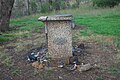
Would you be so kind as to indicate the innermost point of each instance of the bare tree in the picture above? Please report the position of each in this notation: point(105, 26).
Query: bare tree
point(5, 13)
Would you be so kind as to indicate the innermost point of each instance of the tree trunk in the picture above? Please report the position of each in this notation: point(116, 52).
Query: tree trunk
point(5, 13)
point(28, 7)
point(41, 5)
point(78, 3)
point(50, 5)
point(57, 6)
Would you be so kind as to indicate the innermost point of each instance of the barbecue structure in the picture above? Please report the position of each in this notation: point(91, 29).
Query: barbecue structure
point(59, 36)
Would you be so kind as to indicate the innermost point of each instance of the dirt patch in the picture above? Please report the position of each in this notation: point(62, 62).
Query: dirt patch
point(79, 27)
point(96, 53)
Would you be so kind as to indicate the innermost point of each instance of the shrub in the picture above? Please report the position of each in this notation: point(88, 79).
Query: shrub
point(33, 7)
point(74, 6)
point(45, 8)
point(105, 3)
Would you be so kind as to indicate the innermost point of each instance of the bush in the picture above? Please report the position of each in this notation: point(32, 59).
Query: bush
point(45, 8)
point(33, 7)
point(74, 6)
point(105, 3)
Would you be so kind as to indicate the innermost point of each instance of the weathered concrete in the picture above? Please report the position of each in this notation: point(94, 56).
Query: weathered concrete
point(59, 35)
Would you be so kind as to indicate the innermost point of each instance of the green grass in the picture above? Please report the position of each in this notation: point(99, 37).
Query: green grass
point(12, 35)
point(98, 21)
point(86, 32)
point(27, 23)
point(3, 39)
point(15, 72)
point(15, 34)
point(114, 70)
point(103, 24)
point(99, 78)
point(103, 21)
point(6, 59)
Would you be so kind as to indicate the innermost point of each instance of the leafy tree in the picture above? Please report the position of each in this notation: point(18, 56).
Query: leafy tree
point(45, 7)
point(33, 6)
point(78, 3)
point(105, 3)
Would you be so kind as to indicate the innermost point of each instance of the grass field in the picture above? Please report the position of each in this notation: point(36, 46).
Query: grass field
point(98, 21)
point(106, 25)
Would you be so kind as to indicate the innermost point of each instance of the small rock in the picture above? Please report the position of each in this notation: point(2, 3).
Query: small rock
point(84, 67)
point(60, 66)
point(71, 67)
point(60, 78)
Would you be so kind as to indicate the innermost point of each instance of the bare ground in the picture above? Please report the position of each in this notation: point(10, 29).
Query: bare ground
point(100, 50)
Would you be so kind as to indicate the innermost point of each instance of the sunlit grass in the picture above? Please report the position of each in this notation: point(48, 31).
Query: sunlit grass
point(88, 9)
point(27, 23)
point(22, 25)
point(3, 39)
point(106, 25)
